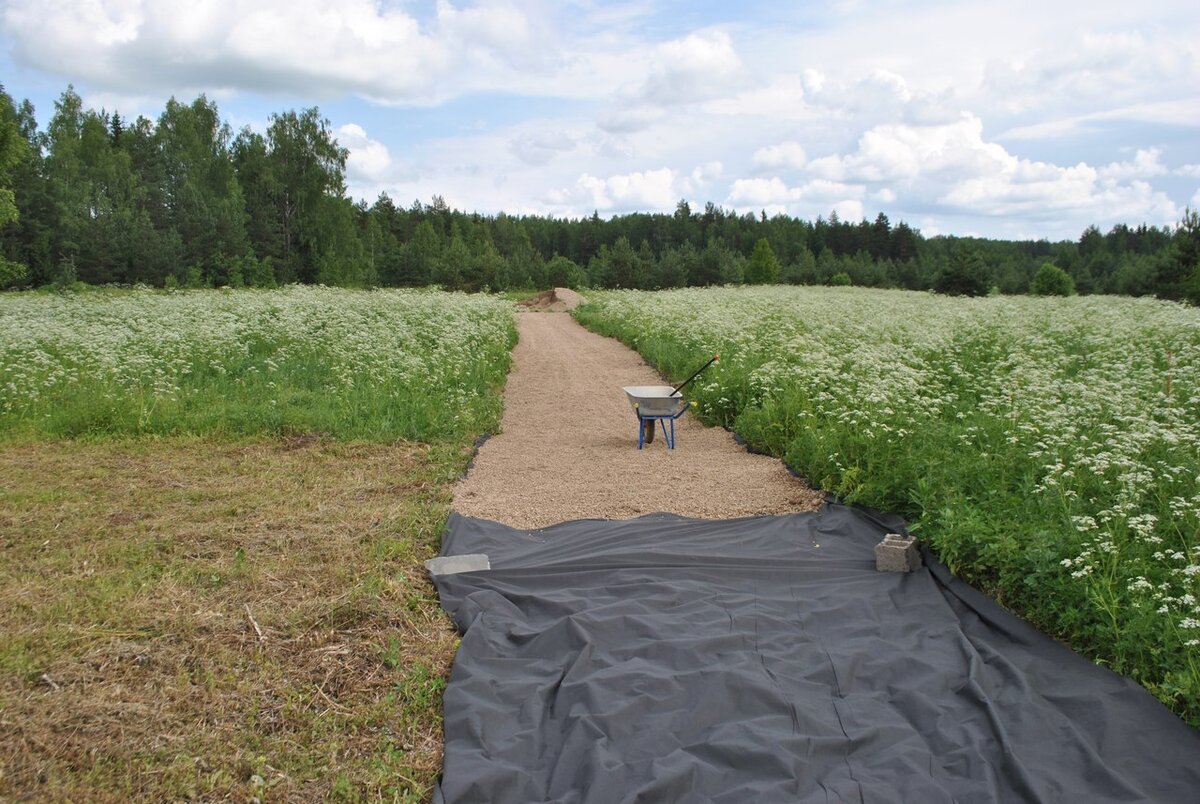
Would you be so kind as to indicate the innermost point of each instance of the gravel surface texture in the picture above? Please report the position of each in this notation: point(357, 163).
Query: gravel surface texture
point(568, 444)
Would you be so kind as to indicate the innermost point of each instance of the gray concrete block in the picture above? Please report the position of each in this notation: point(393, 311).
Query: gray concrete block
point(897, 553)
point(451, 565)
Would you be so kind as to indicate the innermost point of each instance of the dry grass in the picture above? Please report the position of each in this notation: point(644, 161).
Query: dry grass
point(189, 618)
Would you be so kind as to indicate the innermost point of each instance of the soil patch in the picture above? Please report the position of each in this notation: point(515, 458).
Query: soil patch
point(568, 445)
point(559, 300)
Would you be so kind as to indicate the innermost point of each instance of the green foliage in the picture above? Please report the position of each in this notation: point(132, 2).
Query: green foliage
point(307, 172)
point(13, 149)
point(763, 267)
point(451, 265)
point(1050, 280)
point(618, 267)
point(257, 273)
point(208, 214)
point(12, 274)
point(66, 276)
point(964, 274)
point(8, 206)
point(841, 279)
point(563, 273)
point(420, 690)
point(1185, 254)
point(1048, 450)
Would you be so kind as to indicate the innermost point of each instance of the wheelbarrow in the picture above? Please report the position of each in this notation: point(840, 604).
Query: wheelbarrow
point(662, 404)
point(656, 403)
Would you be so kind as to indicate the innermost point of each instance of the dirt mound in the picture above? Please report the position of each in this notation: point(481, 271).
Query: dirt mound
point(558, 300)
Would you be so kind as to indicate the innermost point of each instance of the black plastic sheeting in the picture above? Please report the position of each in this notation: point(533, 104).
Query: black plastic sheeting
point(664, 659)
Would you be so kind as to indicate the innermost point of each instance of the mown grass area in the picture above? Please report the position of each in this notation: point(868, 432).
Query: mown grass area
point(185, 618)
point(213, 511)
point(1048, 450)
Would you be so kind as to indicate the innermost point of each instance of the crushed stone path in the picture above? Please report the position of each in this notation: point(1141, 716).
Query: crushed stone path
point(567, 447)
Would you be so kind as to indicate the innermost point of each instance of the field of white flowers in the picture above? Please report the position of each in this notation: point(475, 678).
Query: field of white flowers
point(380, 364)
point(1049, 450)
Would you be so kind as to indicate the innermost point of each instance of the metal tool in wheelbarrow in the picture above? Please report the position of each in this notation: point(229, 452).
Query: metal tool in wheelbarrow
point(660, 403)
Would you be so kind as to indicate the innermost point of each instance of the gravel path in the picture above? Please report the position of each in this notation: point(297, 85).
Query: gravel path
point(568, 444)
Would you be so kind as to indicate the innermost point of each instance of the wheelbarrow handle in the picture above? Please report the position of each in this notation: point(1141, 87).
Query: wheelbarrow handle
point(695, 374)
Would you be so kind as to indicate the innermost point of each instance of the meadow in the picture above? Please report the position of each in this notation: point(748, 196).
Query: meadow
point(213, 511)
point(1047, 450)
point(378, 365)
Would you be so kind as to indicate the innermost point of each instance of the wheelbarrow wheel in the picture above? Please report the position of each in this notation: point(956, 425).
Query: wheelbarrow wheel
point(648, 430)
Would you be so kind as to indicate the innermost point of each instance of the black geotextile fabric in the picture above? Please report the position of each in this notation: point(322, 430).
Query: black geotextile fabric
point(664, 659)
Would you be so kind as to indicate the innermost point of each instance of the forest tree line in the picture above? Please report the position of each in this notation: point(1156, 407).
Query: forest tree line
point(183, 201)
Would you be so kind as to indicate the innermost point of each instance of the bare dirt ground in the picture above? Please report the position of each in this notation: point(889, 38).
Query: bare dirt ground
point(558, 300)
point(568, 444)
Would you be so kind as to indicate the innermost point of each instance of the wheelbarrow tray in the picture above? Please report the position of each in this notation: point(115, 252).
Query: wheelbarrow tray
point(655, 400)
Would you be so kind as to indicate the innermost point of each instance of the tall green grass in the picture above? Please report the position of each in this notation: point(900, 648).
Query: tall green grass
point(353, 364)
point(1048, 450)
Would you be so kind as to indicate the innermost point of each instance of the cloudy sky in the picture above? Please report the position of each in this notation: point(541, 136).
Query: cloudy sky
point(1014, 119)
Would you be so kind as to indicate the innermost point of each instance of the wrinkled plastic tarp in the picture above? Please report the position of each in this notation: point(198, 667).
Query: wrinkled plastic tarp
point(664, 659)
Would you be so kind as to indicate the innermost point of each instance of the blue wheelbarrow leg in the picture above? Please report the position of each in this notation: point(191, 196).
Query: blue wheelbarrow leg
point(671, 438)
point(646, 426)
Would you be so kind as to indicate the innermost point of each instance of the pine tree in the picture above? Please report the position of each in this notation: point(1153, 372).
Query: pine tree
point(763, 267)
point(964, 274)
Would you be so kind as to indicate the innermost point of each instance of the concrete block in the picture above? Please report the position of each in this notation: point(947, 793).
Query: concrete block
point(897, 553)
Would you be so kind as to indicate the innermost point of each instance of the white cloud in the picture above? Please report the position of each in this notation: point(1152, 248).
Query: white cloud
point(813, 80)
point(1172, 112)
point(821, 190)
point(376, 50)
point(654, 190)
point(1045, 130)
point(129, 106)
point(370, 167)
point(1039, 190)
point(898, 152)
point(955, 167)
point(707, 173)
point(815, 97)
point(881, 92)
point(785, 155)
point(628, 119)
point(613, 147)
point(538, 148)
point(817, 196)
point(758, 192)
point(696, 68)
point(354, 46)
point(782, 98)
point(849, 210)
point(1188, 170)
point(1145, 165)
point(1120, 67)
point(369, 160)
point(496, 31)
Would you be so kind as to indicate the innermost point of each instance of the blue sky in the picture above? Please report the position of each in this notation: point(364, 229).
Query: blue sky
point(1021, 119)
